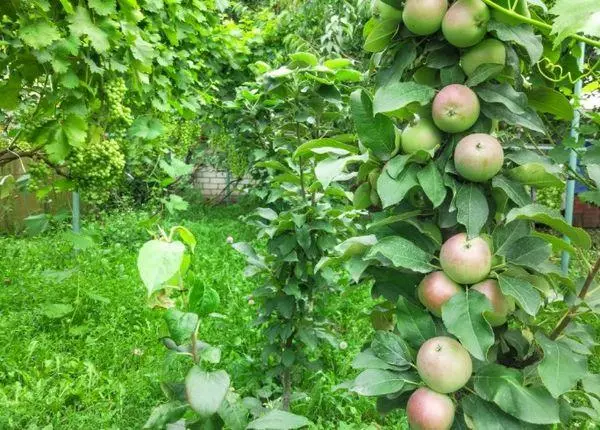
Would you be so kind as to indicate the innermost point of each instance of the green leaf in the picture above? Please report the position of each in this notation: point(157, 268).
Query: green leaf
point(397, 95)
point(413, 323)
point(538, 175)
point(574, 16)
point(381, 35)
point(482, 73)
point(355, 245)
point(527, 251)
point(325, 145)
point(67, 6)
point(103, 7)
point(205, 391)
point(547, 100)
point(186, 236)
point(522, 35)
point(515, 191)
point(558, 244)
point(304, 58)
point(233, 412)
point(39, 35)
point(452, 75)
point(142, 51)
point(473, 210)
point(9, 92)
point(175, 203)
point(392, 349)
point(400, 252)
point(392, 191)
point(488, 416)
point(203, 300)
point(158, 262)
point(165, 414)
point(529, 119)
point(432, 182)
point(82, 25)
point(463, 317)
point(182, 325)
point(591, 384)
point(277, 419)
point(176, 167)
point(552, 218)
point(378, 382)
point(591, 197)
point(337, 63)
point(377, 133)
point(504, 94)
point(522, 291)
point(332, 169)
point(56, 310)
point(146, 127)
point(561, 368)
point(504, 387)
point(368, 360)
point(75, 129)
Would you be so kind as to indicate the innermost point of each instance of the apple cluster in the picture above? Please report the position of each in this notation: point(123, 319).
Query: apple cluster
point(442, 362)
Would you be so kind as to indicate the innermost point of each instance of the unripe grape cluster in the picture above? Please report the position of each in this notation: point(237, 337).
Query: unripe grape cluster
point(97, 169)
point(115, 92)
point(39, 172)
point(189, 132)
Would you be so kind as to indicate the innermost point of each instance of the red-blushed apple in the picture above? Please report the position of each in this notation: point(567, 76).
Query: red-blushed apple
point(424, 17)
point(478, 157)
point(465, 23)
point(455, 108)
point(436, 289)
point(464, 260)
point(501, 304)
point(444, 364)
point(428, 410)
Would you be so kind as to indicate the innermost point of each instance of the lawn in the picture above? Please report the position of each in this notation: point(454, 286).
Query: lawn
point(80, 349)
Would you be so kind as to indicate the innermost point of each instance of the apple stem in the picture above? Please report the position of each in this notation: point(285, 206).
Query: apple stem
point(568, 316)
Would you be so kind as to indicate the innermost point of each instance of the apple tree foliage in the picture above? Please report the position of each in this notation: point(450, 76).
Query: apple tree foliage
point(306, 212)
point(532, 370)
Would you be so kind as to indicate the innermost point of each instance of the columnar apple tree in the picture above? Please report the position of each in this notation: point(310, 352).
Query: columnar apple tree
point(470, 333)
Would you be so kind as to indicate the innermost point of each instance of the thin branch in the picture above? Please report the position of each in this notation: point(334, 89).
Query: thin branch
point(568, 317)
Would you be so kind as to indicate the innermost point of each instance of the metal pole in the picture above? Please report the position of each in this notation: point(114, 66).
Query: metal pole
point(570, 198)
point(228, 185)
point(76, 212)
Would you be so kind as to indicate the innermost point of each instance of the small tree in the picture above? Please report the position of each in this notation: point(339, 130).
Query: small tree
point(308, 214)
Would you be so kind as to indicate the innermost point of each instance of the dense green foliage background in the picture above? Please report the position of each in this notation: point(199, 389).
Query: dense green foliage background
point(97, 363)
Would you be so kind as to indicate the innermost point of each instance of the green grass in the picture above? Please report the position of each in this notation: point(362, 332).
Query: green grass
point(98, 366)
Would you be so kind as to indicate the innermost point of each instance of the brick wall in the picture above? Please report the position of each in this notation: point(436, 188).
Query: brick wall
point(212, 182)
point(585, 215)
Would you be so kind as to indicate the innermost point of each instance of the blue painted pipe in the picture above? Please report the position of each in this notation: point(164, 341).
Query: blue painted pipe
point(570, 197)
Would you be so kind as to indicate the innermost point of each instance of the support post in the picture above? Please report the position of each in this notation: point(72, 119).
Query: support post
point(570, 196)
point(76, 213)
point(228, 186)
